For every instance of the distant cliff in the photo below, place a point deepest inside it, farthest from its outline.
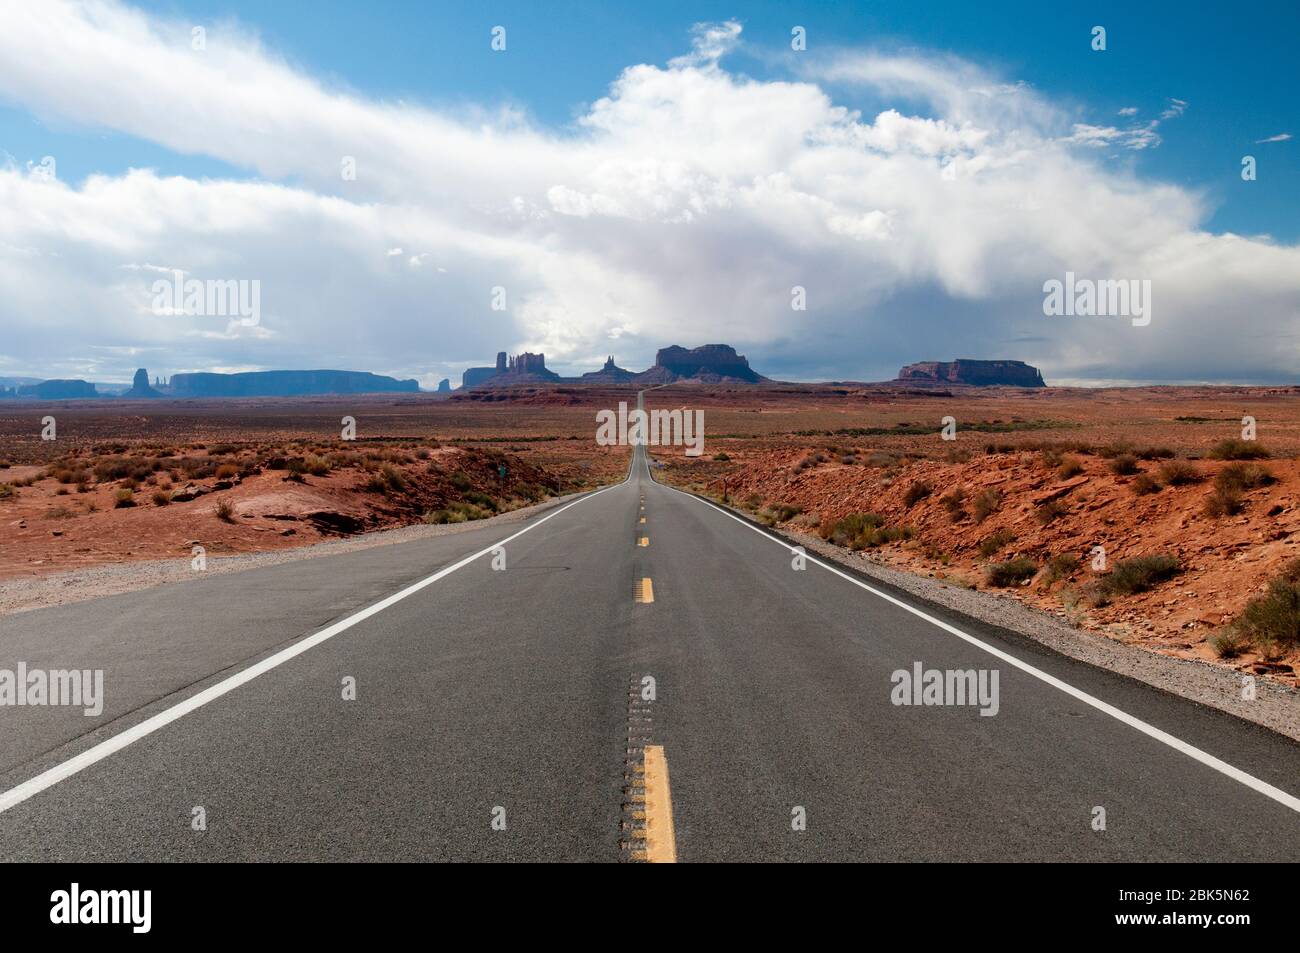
(977, 373)
(286, 384)
(709, 362)
(58, 390)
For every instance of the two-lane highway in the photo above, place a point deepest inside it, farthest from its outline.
(456, 699)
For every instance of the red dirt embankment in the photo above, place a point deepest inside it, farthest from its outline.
(91, 506)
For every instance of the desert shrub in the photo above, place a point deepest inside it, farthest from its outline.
(1138, 574)
(781, 512)
(1112, 450)
(161, 498)
(1234, 449)
(1070, 467)
(985, 504)
(1125, 464)
(317, 466)
(422, 454)
(917, 492)
(461, 481)
(995, 541)
(114, 468)
(883, 534)
(481, 499)
(123, 498)
(1047, 512)
(864, 530)
(1010, 573)
(1061, 566)
(276, 463)
(843, 531)
(70, 475)
(1223, 501)
(1272, 621)
(1243, 476)
(58, 513)
(721, 457)
(1178, 472)
(882, 460)
(1229, 643)
(1145, 484)
(6, 491)
(226, 471)
(225, 512)
(1051, 457)
(457, 512)
(953, 502)
(386, 479)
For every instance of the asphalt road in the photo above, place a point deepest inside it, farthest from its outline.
(494, 708)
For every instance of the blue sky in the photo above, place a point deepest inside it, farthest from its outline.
(1205, 85)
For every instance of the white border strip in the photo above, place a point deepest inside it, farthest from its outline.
(99, 752)
(1209, 760)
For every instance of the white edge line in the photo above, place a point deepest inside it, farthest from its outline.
(1207, 759)
(109, 746)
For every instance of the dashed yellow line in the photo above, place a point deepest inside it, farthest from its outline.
(660, 839)
(643, 519)
(643, 591)
(643, 541)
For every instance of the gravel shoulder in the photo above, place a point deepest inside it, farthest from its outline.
(23, 595)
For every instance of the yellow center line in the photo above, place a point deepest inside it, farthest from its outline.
(660, 839)
(643, 541)
(643, 519)
(644, 591)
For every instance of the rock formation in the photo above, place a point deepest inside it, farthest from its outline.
(510, 370)
(444, 386)
(977, 373)
(140, 387)
(59, 390)
(287, 384)
(611, 373)
(709, 362)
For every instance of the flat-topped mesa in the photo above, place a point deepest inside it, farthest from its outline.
(709, 361)
(58, 390)
(976, 373)
(287, 384)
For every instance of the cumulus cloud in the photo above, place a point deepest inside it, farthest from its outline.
(683, 207)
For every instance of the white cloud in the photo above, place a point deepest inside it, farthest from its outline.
(684, 207)
(1280, 137)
